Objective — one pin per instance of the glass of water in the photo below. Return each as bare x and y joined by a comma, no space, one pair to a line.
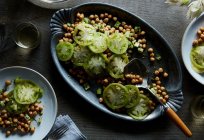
27,35
197,107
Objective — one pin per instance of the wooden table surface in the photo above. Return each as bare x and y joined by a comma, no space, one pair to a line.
170,21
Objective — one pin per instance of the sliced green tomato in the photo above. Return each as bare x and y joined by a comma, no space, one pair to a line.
116,66
118,43
84,34
82,55
95,66
197,58
115,96
99,44
64,51
133,93
140,110
27,92
13,107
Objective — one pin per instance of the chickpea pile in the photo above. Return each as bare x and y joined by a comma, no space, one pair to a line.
135,79
151,54
17,123
200,37
105,19
157,84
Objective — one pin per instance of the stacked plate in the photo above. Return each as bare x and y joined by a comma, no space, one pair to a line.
53,4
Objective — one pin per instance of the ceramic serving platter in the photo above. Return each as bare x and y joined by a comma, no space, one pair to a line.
154,39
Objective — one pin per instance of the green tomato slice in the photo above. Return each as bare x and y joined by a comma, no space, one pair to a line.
84,34
26,92
95,66
115,96
197,58
118,43
64,51
140,110
116,66
133,93
81,55
13,107
99,43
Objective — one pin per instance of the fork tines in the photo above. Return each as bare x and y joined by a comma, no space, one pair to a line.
59,132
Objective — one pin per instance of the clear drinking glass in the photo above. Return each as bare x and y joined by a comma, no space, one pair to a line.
197,107
27,35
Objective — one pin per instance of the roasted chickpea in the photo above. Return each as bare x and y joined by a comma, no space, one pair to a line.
100,100
160,70
156,72
115,18
152,59
195,42
150,50
142,32
91,16
105,20
32,129
8,133
165,74
8,82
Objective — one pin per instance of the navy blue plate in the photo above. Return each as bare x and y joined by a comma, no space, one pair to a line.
173,84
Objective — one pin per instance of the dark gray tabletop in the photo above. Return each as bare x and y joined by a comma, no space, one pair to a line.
170,21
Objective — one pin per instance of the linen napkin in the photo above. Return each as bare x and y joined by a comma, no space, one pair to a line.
73,133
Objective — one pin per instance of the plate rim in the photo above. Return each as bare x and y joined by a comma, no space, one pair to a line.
190,71
47,82
66,77
51,5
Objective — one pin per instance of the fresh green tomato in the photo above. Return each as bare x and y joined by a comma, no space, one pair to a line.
140,110
26,92
197,58
115,96
99,43
84,34
118,43
64,51
116,65
95,66
82,55
133,93
13,107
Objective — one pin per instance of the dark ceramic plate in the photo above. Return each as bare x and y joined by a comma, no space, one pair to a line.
169,60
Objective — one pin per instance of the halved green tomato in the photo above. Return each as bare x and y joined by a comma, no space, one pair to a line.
64,51
133,93
95,66
81,55
99,43
26,92
84,34
13,107
115,96
116,65
140,110
197,58
118,43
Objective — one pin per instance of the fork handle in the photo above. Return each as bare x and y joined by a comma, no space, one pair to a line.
175,118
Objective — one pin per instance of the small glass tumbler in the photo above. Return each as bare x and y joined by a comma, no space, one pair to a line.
197,107
27,35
